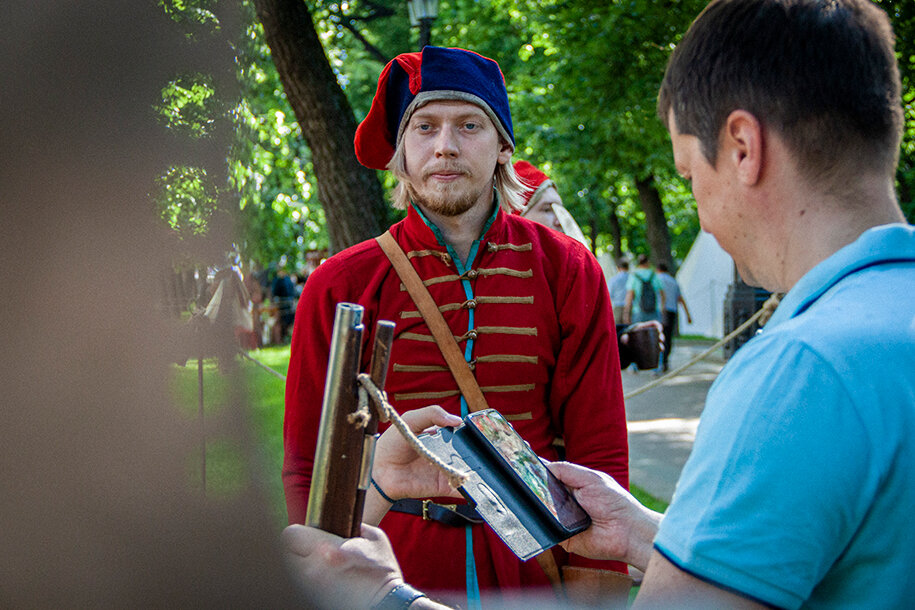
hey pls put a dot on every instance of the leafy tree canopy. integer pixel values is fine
(582, 77)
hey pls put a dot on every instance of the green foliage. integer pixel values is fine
(905, 175)
(189, 105)
(270, 165)
(583, 101)
(186, 199)
(188, 196)
(902, 14)
(195, 16)
(582, 79)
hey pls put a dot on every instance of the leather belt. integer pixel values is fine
(455, 515)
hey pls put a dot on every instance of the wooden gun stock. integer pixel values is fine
(378, 371)
(344, 448)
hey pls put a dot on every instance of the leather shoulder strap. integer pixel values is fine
(453, 356)
(467, 383)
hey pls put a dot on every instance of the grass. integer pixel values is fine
(648, 500)
(228, 467)
(696, 338)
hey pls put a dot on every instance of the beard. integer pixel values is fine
(449, 199)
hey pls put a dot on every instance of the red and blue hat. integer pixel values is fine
(412, 80)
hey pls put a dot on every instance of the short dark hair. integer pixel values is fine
(622, 263)
(662, 266)
(642, 259)
(823, 75)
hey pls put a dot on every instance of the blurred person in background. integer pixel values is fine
(543, 204)
(618, 288)
(673, 298)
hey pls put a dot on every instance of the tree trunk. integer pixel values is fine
(593, 225)
(655, 222)
(350, 194)
(617, 233)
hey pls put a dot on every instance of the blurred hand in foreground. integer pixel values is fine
(345, 572)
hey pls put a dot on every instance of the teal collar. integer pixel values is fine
(461, 266)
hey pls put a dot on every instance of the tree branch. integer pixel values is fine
(375, 52)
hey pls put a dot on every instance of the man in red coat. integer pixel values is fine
(528, 307)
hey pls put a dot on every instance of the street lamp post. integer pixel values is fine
(422, 14)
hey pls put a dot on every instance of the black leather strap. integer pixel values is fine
(453, 515)
(400, 597)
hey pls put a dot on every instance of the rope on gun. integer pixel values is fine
(765, 312)
(387, 413)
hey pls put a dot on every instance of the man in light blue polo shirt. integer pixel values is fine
(798, 489)
(786, 117)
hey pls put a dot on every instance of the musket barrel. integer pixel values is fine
(338, 455)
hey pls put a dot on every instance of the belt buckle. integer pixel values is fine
(427, 502)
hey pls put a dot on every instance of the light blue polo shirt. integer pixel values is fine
(801, 484)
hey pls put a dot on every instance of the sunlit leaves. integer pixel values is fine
(186, 199)
(189, 105)
(271, 166)
(195, 15)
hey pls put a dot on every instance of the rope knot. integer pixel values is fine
(386, 412)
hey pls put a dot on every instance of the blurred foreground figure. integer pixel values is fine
(98, 508)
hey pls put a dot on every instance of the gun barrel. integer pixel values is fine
(338, 455)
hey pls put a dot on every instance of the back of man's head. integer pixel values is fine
(642, 260)
(622, 264)
(822, 75)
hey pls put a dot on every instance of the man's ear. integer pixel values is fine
(505, 152)
(743, 146)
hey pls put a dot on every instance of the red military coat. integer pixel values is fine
(544, 354)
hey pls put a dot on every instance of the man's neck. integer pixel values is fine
(461, 231)
(822, 226)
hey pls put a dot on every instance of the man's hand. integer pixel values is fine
(621, 528)
(403, 473)
(347, 573)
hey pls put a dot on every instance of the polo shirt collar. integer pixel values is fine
(878, 245)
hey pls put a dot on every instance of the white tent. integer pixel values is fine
(704, 277)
